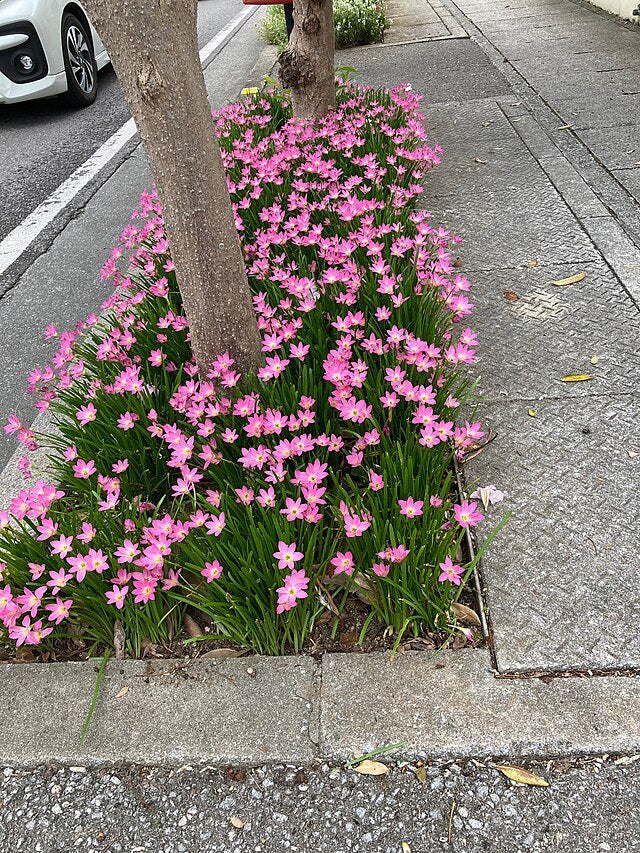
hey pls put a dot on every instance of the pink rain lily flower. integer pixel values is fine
(286, 555)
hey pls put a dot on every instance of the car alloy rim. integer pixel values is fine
(80, 59)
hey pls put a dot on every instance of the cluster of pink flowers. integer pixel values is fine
(340, 274)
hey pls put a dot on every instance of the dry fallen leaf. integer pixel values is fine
(573, 279)
(235, 821)
(122, 692)
(577, 377)
(465, 614)
(371, 768)
(119, 639)
(532, 264)
(511, 295)
(421, 774)
(519, 774)
(218, 654)
(191, 627)
(632, 454)
(149, 649)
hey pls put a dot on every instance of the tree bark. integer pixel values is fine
(154, 50)
(307, 65)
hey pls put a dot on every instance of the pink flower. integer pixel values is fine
(59, 611)
(488, 495)
(215, 525)
(23, 633)
(294, 588)
(211, 571)
(450, 572)
(411, 508)
(343, 563)
(267, 497)
(355, 526)
(435, 501)
(127, 421)
(86, 414)
(399, 553)
(245, 495)
(88, 533)
(287, 555)
(83, 470)
(144, 590)
(466, 514)
(127, 552)
(376, 481)
(294, 509)
(116, 595)
(381, 569)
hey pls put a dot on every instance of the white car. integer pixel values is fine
(48, 47)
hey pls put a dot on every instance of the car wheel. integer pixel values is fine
(79, 63)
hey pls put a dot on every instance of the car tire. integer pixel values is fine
(79, 63)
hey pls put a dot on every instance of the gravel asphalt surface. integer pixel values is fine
(592, 805)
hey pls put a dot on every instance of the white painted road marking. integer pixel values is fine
(23, 235)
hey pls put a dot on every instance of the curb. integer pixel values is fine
(258, 710)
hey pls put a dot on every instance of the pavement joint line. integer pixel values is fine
(412, 41)
(26, 232)
(524, 90)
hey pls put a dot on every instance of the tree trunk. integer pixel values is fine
(154, 50)
(307, 65)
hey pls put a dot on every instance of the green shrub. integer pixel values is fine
(356, 22)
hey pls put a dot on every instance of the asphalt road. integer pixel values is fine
(591, 805)
(42, 142)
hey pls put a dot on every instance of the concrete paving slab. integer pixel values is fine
(622, 255)
(490, 178)
(528, 343)
(444, 705)
(444, 71)
(630, 178)
(163, 712)
(261, 711)
(563, 576)
(617, 146)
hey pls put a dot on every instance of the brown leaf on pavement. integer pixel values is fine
(122, 692)
(220, 654)
(519, 774)
(371, 768)
(511, 295)
(573, 279)
(577, 377)
(465, 614)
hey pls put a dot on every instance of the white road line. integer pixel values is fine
(23, 235)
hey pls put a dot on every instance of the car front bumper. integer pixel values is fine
(14, 93)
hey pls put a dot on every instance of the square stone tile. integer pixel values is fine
(563, 576)
(527, 344)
